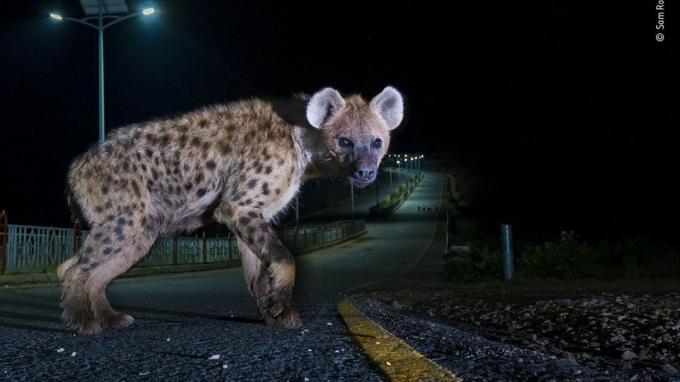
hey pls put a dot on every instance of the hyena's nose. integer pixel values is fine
(365, 172)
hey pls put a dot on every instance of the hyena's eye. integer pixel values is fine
(345, 143)
(377, 143)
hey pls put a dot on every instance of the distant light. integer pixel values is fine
(398, 162)
(56, 16)
(148, 11)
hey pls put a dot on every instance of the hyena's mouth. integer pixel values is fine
(360, 183)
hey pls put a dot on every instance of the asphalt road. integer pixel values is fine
(204, 325)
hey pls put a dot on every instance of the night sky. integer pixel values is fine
(562, 109)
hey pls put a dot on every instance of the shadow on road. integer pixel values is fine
(31, 327)
(45, 322)
(207, 316)
(29, 317)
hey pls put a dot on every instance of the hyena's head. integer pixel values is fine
(354, 134)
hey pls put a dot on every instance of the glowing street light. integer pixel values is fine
(94, 18)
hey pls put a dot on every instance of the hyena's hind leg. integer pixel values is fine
(109, 251)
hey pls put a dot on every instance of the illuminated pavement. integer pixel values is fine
(184, 320)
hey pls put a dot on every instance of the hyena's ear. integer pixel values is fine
(323, 104)
(390, 105)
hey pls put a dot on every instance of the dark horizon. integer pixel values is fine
(564, 111)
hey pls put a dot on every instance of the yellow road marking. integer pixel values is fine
(394, 357)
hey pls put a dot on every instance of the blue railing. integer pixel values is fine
(25, 248)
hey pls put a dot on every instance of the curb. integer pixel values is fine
(396, 359)
(46, 278)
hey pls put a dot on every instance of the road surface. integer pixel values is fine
(204, 325)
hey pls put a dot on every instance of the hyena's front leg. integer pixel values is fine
(268, 265)
(256, 274)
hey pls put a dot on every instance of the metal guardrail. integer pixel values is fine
(402, 192)
(309, 237)
(31, 247)
(25, 248)
(182, 250)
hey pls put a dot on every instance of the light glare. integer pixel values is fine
(148, 11)
(56, 16)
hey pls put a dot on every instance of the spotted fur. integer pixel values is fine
(239, 164)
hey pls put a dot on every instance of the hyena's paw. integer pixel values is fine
(289, 319)
(78, 317)
(280, 315)
(119, 320)
(89, 325)
(82, 323)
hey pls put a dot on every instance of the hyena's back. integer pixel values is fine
(168, 172)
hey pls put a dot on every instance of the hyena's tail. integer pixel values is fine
(65, 266)
(73, 205)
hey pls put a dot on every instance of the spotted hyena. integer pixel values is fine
(239, 164)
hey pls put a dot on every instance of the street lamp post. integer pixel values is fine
(377, 190)
(100, 26)
(399, 171)
(351, 191)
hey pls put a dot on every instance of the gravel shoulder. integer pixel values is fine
(541, 330)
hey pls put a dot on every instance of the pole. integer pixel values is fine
(229, 245)
(100, 30)
(4, 239)
(174, 250)
(506, 232)
(351, 191)
(377, 191)
(391, 169)
(297, 209)
(76, 236)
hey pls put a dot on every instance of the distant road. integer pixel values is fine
(185, 319)
(362, 200)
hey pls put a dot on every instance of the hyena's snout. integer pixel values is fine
(364, 174)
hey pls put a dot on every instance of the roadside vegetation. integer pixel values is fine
(568, 257)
